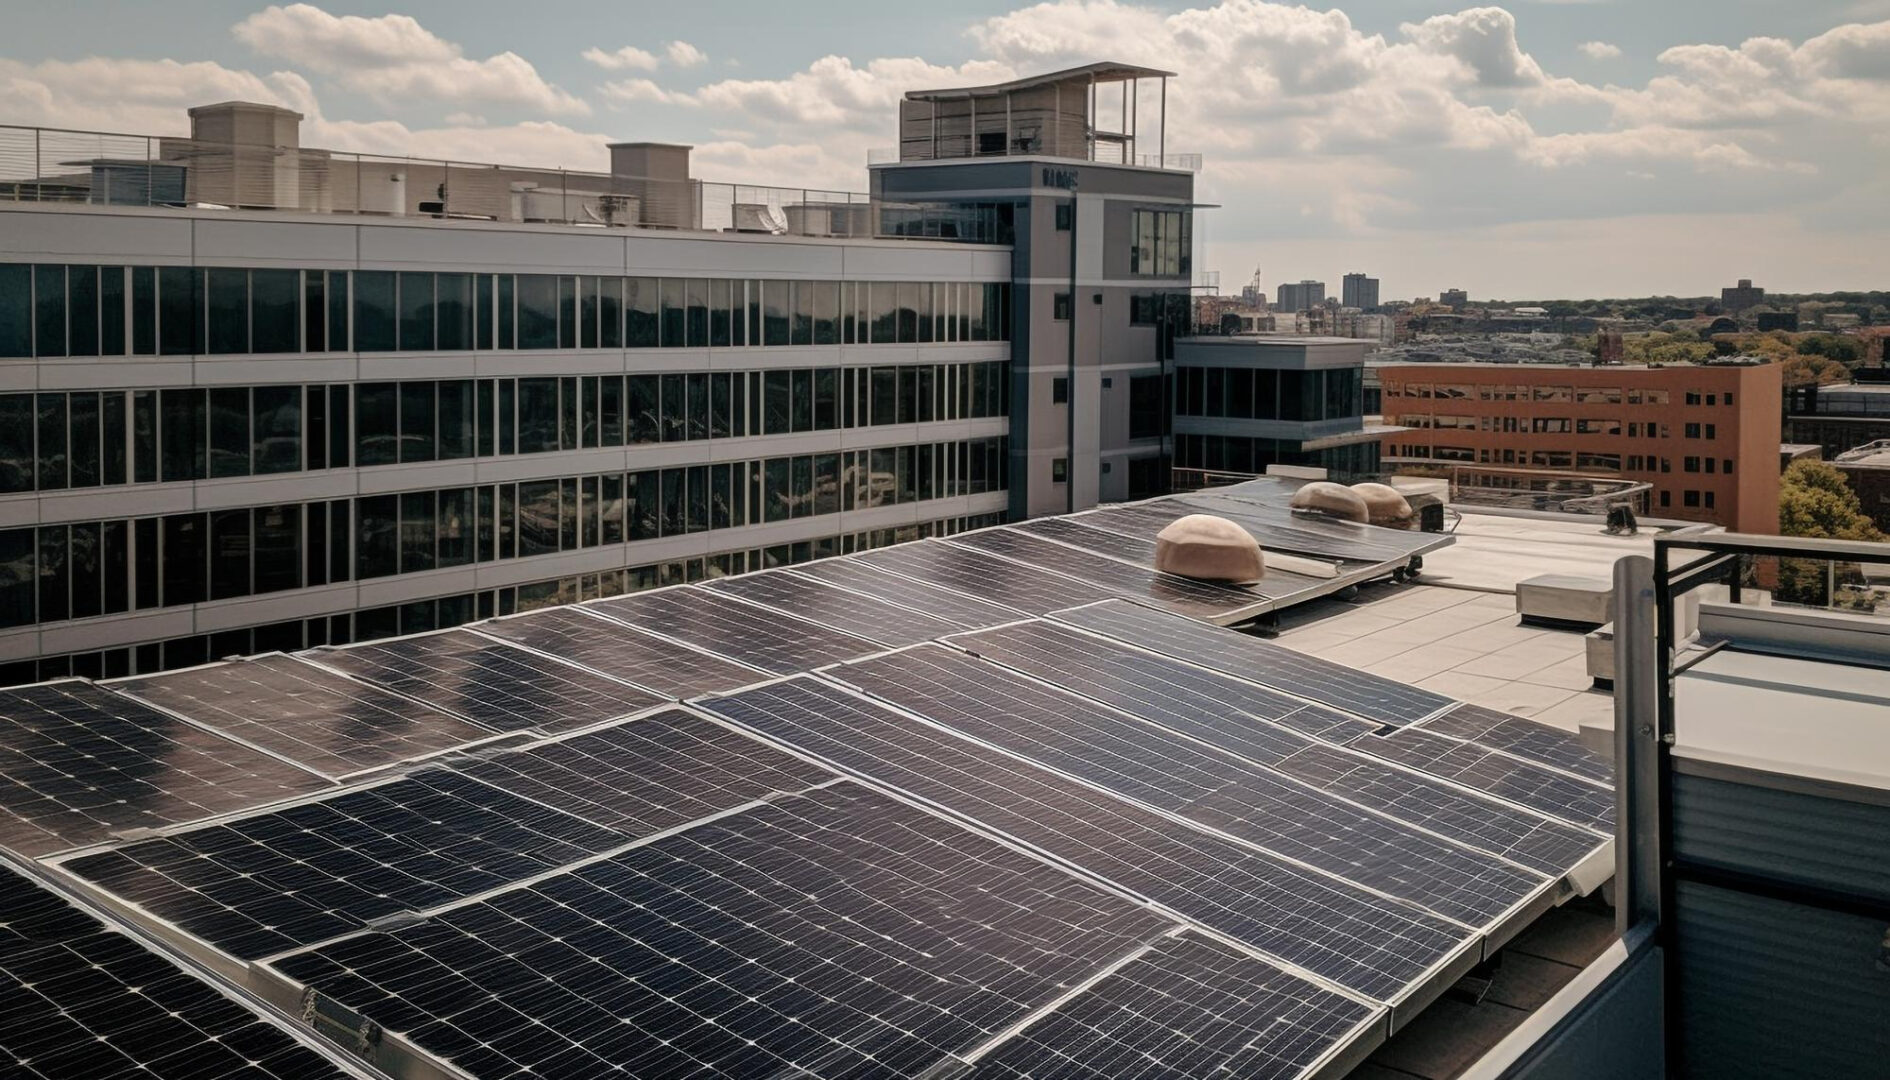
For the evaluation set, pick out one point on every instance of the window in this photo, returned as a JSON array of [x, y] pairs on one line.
[[1726, 466], [1729, 397], [1060, 391], [1060, 470], [1690, 498], [1666, 499], [1709, 500], [1691, 464], [1160, 243], [1060, 306], [1712, 431], [1693, 431], [1066, 216]]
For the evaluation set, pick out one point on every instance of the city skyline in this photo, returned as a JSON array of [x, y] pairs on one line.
[[1544, 149]]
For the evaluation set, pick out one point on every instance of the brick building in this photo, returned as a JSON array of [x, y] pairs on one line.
[[1705, 437]]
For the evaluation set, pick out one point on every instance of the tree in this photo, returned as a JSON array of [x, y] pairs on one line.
[[1815, 500]]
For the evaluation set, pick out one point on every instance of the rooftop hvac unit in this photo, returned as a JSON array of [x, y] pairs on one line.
[[383, 192], [755, 218]]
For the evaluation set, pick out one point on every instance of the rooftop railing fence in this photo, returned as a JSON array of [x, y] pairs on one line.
[[47, 165]]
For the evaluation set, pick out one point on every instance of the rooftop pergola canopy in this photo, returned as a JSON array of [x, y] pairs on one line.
[[1089, 113]]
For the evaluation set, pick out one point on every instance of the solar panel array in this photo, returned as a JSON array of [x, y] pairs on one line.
[[581, 636], [80, 1000], [989, 818], [325, 722], [773, 642], [489, 682]]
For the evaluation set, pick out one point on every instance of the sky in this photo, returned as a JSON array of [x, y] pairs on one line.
[[1539, 150]]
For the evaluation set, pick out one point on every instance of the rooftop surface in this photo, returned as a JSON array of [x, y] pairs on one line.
[[890, 826]]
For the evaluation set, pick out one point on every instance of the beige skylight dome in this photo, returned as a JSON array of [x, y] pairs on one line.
[[1209, 548]]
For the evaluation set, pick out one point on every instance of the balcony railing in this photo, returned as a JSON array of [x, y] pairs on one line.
[[889, 155], [46, 165]]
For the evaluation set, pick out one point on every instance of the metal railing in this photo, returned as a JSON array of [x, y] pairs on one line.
[[889, 155], [46, 165]]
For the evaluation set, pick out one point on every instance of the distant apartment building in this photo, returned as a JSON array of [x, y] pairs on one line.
[[1741, 296], [1359, 291], [257, 396], [1301, 295], [1453, 298], [1706, 438]]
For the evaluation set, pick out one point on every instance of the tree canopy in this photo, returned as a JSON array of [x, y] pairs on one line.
[[1815, 500]]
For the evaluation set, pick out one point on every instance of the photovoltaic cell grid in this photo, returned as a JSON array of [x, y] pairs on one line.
[[858, 614], [1208, 705], [838, 933], [1378, 699], [1157, 768], [1201, 599], [1581, 801], [489, 682], [1373, 945], [1187, 1007], [325, 722], [79, 764], [1524, 738], [82, 1001], [975, 574], [608, 646], [270, 882], [776, 643], [1215, 709], [1276, 584], [950, 605]]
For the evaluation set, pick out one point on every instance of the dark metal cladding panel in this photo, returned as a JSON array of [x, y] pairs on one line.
[[774, 642], [489, 682], [78, 1000], [80, 764], [1158, 768], [326, 722], [1378, 699], [835, 933], [1376, 946], [574, 634], [1243, 1018]]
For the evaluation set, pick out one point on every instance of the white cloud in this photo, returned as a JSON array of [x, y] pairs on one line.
[[1484, 41], [627, 58], [396, 61], [684, 55], [1599, 50]]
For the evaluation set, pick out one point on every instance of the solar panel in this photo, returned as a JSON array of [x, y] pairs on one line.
[[488, 682], [84, 1001], [1186, 1006], [774, 642], [1539, 743], [1373, 945], [1497, 773], [270, 882], [829, 605], [1072, 531], [950, 605], [835, 933], [1201, 599], [1210, 706], [79, 764], [1157, 768], [1535, 840], [976, 574], [1288, 530], [327, 723], [608, 646], [267, 883], [1378, 699]]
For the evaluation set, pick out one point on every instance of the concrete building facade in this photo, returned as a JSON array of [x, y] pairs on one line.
[[1359, 291], [1705, 437], [1300, 295]]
